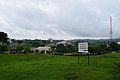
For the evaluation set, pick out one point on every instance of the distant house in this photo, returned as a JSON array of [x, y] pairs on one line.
[[40, 49], [13, 48], [65, 43]]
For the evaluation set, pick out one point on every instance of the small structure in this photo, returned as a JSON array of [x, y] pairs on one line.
[[42, 49], [13, 48]]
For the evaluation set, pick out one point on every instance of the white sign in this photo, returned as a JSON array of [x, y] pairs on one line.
[[83, 47]]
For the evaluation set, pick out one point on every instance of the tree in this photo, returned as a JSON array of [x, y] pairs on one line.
[[114, 46], [3, 48], [3, 37], [61, 48], [19, 48], [26, 47]]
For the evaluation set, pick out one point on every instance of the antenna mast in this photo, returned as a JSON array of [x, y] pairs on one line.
[[111, 32]]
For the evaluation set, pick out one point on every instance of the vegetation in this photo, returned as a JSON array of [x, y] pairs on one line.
[[66, 49], [3, 48], [3, 37], [25, 46], [46, 67], [104, 48]]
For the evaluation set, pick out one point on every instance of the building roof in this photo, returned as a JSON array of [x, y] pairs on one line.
[[118, 43], [43, 48], [64, 42]]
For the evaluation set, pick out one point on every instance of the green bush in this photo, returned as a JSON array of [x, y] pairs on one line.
[[3, 48]]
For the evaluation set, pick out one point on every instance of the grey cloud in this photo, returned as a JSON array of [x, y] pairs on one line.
[[55, 18]]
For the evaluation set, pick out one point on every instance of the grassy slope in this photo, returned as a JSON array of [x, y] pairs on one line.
[[44, 67]]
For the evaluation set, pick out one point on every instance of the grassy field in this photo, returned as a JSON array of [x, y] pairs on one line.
[[44, 67]]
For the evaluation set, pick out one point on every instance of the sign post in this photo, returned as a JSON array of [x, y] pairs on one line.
[[83, 48], [78, 58], [88, 58]]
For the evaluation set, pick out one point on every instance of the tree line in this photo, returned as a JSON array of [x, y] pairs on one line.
[[24, 46]]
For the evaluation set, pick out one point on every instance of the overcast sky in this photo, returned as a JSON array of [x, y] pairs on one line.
[[59, 19]]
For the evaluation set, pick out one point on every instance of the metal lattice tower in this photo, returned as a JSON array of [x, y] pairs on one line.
[[111, 32]]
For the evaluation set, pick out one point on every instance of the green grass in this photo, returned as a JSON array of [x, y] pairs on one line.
[[44, 67]]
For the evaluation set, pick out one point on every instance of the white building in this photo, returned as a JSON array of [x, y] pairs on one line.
[[40, 49], [118, 43]]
